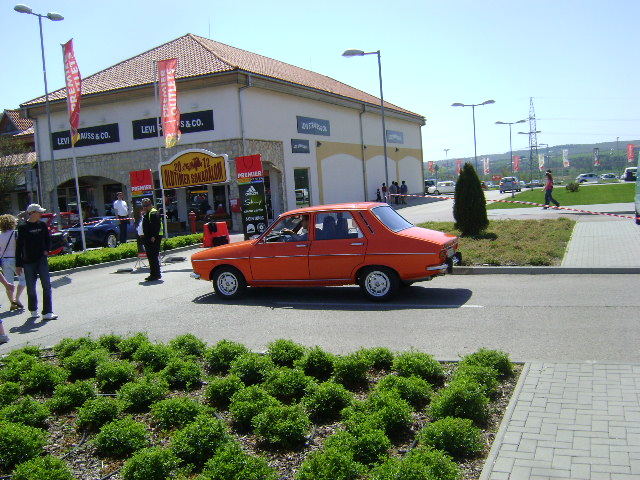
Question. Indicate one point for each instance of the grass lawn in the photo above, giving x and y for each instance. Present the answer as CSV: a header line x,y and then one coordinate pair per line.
x,y
589,195
513,242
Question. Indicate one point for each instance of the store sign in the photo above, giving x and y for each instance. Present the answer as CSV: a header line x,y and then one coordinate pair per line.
x,y
141,183
194,167
299,146
88,136
252,195
313,126
189,123
395,137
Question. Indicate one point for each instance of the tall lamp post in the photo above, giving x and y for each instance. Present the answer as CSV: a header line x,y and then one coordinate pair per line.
x,y
56,17
510,143
360,53
473,110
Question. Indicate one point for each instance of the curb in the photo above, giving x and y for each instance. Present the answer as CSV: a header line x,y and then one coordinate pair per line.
x,y
487,470
545,270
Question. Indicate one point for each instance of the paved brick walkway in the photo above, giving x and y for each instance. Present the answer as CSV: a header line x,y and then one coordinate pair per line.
x,y
576,420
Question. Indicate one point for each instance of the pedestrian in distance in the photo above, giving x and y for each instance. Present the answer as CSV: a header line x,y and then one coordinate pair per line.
x,y
8,237
385,193
548,188
378,197
393,191
122,211
32,250
404,190
152,230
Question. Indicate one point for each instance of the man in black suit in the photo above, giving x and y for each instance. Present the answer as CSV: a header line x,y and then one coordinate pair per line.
x,y
153,231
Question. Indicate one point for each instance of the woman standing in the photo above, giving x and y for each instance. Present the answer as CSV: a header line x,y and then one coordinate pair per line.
x,y
8,254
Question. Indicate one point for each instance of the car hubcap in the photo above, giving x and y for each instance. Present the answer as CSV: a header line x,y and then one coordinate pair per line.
x,y
227,284
377,284
111,241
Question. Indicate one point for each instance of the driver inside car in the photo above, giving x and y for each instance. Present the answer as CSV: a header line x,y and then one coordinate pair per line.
x,y
300,233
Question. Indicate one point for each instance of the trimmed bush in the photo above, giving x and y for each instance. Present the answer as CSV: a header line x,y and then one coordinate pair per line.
x,y
464,399
419,364
198,441
137,396
16,365
572,187
220,356
26,411
285,352
110,342
220,390
155,356
188,345
420,463
351,370
327,400
9,393
381,358
130,345
382,410
96,412
490,358
175,412
68,346
155,463
287,384
32,350
469,204
486,377
182,374
43,468
83,362
120,438
456,436
414,390
282,426
43,378
69,396
252,368
247,403
232,463
19,443
369,446
330,464
317,364
112,374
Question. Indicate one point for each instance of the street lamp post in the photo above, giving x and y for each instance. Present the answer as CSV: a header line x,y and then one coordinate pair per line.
x,y
510,144
360,53
56,17
473,110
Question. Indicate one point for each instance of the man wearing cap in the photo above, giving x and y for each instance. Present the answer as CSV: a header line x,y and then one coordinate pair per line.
x,y
152,236
32,248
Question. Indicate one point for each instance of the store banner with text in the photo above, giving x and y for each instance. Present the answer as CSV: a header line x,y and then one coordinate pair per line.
x,y
169,101
74,86
252,194
88,136
141,183
194,167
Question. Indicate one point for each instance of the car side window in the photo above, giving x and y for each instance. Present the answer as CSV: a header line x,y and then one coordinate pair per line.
x,y
335,226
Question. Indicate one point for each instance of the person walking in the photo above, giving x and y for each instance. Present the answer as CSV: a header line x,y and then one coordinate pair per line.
x,y
32,248
404,190
378,197
8,236
548,188
121,209
393,190
385,193
152,236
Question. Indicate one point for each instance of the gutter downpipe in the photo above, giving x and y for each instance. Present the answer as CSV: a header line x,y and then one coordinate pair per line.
x,y
362,148
242,135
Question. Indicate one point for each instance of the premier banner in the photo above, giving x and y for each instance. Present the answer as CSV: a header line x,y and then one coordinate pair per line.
x,y
141,183
516,163
631,154
430,166
74,87
169,101
565,157
252,194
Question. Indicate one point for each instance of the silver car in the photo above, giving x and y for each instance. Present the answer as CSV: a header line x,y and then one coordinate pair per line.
x,y
509,184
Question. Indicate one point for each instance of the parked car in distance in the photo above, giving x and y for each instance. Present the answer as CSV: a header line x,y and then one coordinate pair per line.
x,y
99,232
429,183
368,244
587,177
509,184
608,176
442,187
630,174
522,184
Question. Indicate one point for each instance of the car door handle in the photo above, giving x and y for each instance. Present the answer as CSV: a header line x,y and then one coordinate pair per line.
x,y
357,243
301,246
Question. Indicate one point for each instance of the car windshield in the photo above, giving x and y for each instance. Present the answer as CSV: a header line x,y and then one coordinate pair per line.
x,y
391,219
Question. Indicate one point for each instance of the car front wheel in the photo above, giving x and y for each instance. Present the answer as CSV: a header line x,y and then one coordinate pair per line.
x,y
379,283
229,283
111,241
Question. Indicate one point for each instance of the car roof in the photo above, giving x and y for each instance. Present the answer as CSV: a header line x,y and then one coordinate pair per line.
x,y
338,206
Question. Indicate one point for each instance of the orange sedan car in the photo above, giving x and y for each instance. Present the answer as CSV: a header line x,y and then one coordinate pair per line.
x,y
368,244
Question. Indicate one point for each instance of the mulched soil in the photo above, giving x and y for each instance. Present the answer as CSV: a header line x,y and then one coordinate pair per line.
x,y
85,464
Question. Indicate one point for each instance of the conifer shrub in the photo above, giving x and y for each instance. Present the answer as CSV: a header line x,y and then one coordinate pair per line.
x,y
287,384
326,400
458,437
199,440
317,364
66,397
220,356
249,402
414,390
120,438
154,463
381,358
83,362
220,390
19,443
351,370
98,411
43,378
189,345
9,393
285,352
130,345
368,445
252,368
419,463
175,412
419,364
42,468
154,356
462,398
330,464
27,411
110,342
495,359
232,463
469,204
486,377
68,346
112,374
138,395
282,426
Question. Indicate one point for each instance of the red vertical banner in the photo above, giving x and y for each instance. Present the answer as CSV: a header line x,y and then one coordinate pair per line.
x,y
631,154
74,87
596,157
516,163
565,157
487,170
169,101
459,165
430,166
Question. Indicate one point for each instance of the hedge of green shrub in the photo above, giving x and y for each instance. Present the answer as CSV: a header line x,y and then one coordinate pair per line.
x,y
138,395
317,364
43,378
182,374
381,410
282,426
252,367
330,464
414,390
120,438
381,358
153,356
69,396
96,412
220,390
199,440
490,358
188,344
9,392
19,443
110,342
326,400
16,365
368,445
68,346
43,468
285,352
128,346
154,463
420,463
462,398
249,402
351,370
287,384
112,374
83,362
175,412
26,411
232,463
419,364
486,377
220,356
458,437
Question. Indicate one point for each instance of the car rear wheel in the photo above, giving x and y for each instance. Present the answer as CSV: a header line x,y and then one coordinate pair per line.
x,y
229,283
379,283
436,192
111,241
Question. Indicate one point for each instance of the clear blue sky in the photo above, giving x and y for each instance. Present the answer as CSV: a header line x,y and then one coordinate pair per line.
x,y
577,59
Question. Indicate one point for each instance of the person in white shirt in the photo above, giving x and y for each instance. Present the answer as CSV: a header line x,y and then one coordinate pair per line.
x,y
8,225
122,212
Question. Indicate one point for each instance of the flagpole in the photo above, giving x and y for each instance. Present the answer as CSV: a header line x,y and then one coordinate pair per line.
x,y
155,89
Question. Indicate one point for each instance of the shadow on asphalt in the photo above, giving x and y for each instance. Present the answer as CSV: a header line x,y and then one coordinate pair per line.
x,y
347,298
29,326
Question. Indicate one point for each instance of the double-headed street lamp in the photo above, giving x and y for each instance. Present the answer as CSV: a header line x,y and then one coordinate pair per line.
x,y
473,110
56,17
360,53
510,145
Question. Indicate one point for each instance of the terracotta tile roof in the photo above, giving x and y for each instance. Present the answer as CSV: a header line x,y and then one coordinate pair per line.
x,y
198,56
22,124
17,159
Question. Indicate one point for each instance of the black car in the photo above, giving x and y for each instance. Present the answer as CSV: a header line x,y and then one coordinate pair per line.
x,y
99,232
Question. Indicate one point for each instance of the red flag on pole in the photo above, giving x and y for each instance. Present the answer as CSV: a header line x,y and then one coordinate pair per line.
x,y
631,154
486,166
516,163
169,101
74,87
459,165
430,166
